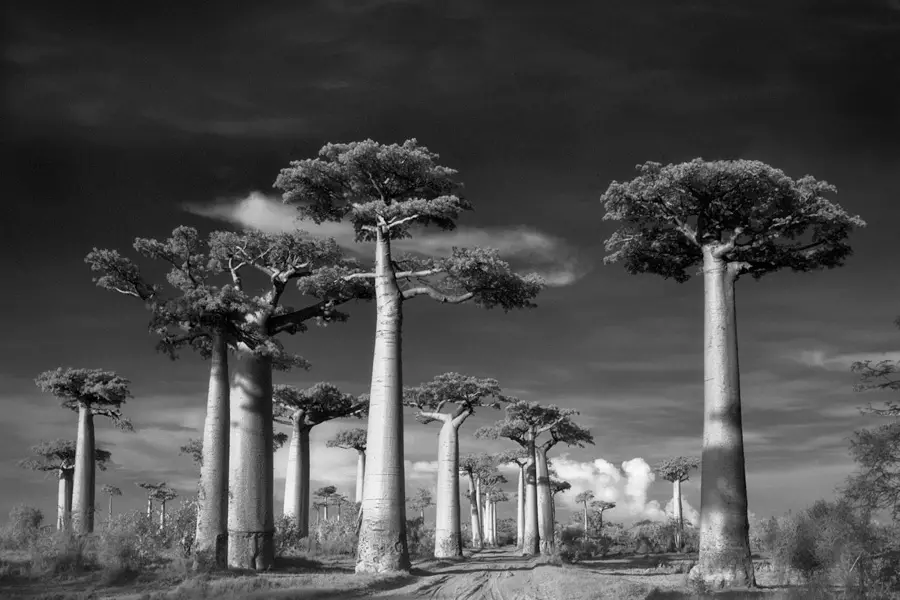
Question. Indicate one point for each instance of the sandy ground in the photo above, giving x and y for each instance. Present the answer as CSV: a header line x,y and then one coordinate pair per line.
x,y
492,574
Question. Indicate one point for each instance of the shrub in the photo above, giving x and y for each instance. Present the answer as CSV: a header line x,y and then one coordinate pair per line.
x,y
22,528
131,542
61,553
338,537
287,537
420,538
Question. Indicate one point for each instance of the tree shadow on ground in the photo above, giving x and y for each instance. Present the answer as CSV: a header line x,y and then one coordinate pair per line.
x,y
304,564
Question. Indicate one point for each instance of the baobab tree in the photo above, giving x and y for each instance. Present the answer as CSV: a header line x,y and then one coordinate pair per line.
x,y
385,190
677,470
473,465
519,458
488,486
214,317
525,422
599,507
163,494
557,486
583,498
421,501
494,496
353,439
731,218
150,489
302,410
325,493
58,457
467,393
110,490
90,393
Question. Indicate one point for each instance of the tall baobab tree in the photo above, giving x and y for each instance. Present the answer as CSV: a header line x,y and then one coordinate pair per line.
x,y
525,422
519,458
473,465
466,393
58,457
557,486
150,489
111,491
302,410
163,494
488,487
353,439
599,507
421,501
583,498
385,190
494,497
214,317
731,218
677,470
90,393
325,493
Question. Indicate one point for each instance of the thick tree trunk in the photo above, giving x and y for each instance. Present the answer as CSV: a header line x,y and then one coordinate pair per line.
x,y
544,503
520,508
296,481
251,523
326,510
382,537
531,536
360,474
494,522
724,559
212,503
475,522
486,525
83,483
64,498
678,514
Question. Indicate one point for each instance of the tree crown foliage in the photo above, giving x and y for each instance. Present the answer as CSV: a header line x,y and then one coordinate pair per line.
x,y
676,468
746,212
465,391
476,464
103,392
207,277
59,455
602,505
316,404
325,492
525,421
558,485
517,456
584,497
421,500
111,490
194,449
390,188
160,492
350,439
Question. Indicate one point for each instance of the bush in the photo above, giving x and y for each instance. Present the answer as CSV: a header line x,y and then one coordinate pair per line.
x,y
61,553
130,542
23,527
420,538
287,537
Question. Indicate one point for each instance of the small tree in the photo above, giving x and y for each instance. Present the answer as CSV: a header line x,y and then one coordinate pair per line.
x,y
677,470
58,457
303,410
385,190
110,490
466,393
163,494
519,458
599,507
557,486
421,501
89,392
583,498
353,439
734,218
325,493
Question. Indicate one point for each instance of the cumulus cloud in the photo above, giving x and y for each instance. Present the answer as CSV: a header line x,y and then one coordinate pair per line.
x,y
628,486
840,362
549,256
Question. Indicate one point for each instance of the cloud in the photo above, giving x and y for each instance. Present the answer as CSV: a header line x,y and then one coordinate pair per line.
x,y
627,486
549,256
840,362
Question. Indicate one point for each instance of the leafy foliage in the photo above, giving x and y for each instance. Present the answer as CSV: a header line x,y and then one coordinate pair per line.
x,y
465,391
676,468
354,439
59,455
750,213
111,490
104,392
421,500
314,405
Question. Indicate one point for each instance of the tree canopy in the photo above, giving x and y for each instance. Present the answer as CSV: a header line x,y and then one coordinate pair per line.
x,y
421,500
59,455
464,391
111,490
316,404
676,468
104,392
748,213
350,439
584,497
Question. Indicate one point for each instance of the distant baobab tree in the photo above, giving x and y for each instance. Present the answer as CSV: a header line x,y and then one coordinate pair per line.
x,y
353,439
729,218
465,393
325,493
213,317
474,465
677,470
557,486
599,507
583,498
58,457
150,489
90,393
519,458
385,190
302,410
110,490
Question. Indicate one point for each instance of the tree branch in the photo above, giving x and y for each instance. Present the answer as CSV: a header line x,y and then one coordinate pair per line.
x,y
393,224
427,290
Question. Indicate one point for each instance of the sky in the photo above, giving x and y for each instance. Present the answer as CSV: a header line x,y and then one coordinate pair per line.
x,y
129,119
